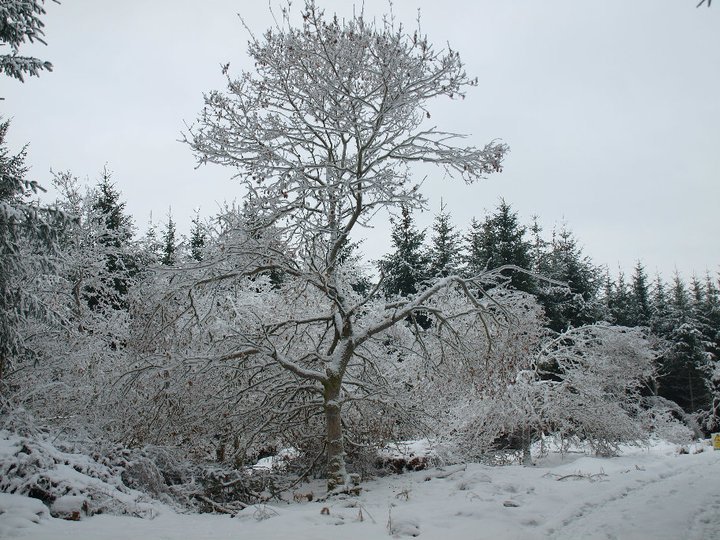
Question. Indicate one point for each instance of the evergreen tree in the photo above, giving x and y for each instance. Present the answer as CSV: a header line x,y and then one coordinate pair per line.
x,y
501,241
445,246
684,366
94,261
198,237
711,323
28,237
620,303
640,297
577,304
151,246
709,314
605,303
538,246
660,319
20,22
115,231
407,266
169,247
474,252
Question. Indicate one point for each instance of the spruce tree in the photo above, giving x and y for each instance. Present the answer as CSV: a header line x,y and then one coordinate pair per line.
x,y
198,237
620,303
151,247
474,251
500,242
684,366
407,266
711,323
660,319
577,304
710,314
640,297
538,246
445,246
115,231
20,22
169,247
608,291
28,237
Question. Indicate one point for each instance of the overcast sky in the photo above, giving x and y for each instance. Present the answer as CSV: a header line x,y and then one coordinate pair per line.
x,y
611,109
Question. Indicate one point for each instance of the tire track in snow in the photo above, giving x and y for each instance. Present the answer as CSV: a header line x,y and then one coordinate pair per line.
x,y
684,499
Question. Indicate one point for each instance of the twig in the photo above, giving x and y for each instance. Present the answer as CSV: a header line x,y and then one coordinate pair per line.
x,y
445,474
219,507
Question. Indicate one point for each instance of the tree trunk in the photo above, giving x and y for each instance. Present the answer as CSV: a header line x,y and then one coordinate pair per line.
x,y
337,476
526,444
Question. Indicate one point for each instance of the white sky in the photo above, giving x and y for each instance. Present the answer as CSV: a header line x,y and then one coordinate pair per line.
x,y
611,109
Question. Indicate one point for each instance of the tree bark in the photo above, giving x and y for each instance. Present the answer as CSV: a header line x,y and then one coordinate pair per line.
x,y
526,444
337,476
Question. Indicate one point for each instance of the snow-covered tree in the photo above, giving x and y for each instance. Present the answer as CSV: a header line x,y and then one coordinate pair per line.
x,y
459,394
538,245
709,314
20,22
115,231
198,237
169,246
576,304
641,304
585,385
79,359
444,246
405,269
500,241
603,372
322,136
685,363
619,302
28,236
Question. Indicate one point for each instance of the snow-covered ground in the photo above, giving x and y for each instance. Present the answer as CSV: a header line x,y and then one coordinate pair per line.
x,y
653,492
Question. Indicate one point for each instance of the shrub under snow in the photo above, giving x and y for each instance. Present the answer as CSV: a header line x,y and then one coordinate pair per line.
x,y
70,483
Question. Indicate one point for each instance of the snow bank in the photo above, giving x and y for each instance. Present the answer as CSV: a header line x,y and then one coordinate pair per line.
x,y
71,484
18,513
661,491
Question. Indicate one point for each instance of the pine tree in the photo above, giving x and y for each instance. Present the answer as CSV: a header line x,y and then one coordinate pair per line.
x,y
407,266
28,237
640,297
445,246
115,231
710,313
620,303
474,254
501,241
198,237
660,319
20,22
711,322
577,304
608,291
538,246
150,244
683,374
169,247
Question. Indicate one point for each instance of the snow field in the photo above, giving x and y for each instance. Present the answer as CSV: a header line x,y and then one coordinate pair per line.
x,y
653,492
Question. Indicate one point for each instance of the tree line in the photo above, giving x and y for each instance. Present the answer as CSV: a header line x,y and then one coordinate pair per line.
x,y
685,317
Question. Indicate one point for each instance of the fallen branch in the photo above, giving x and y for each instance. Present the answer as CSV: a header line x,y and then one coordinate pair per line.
x,y
218,507
578,475
446,473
